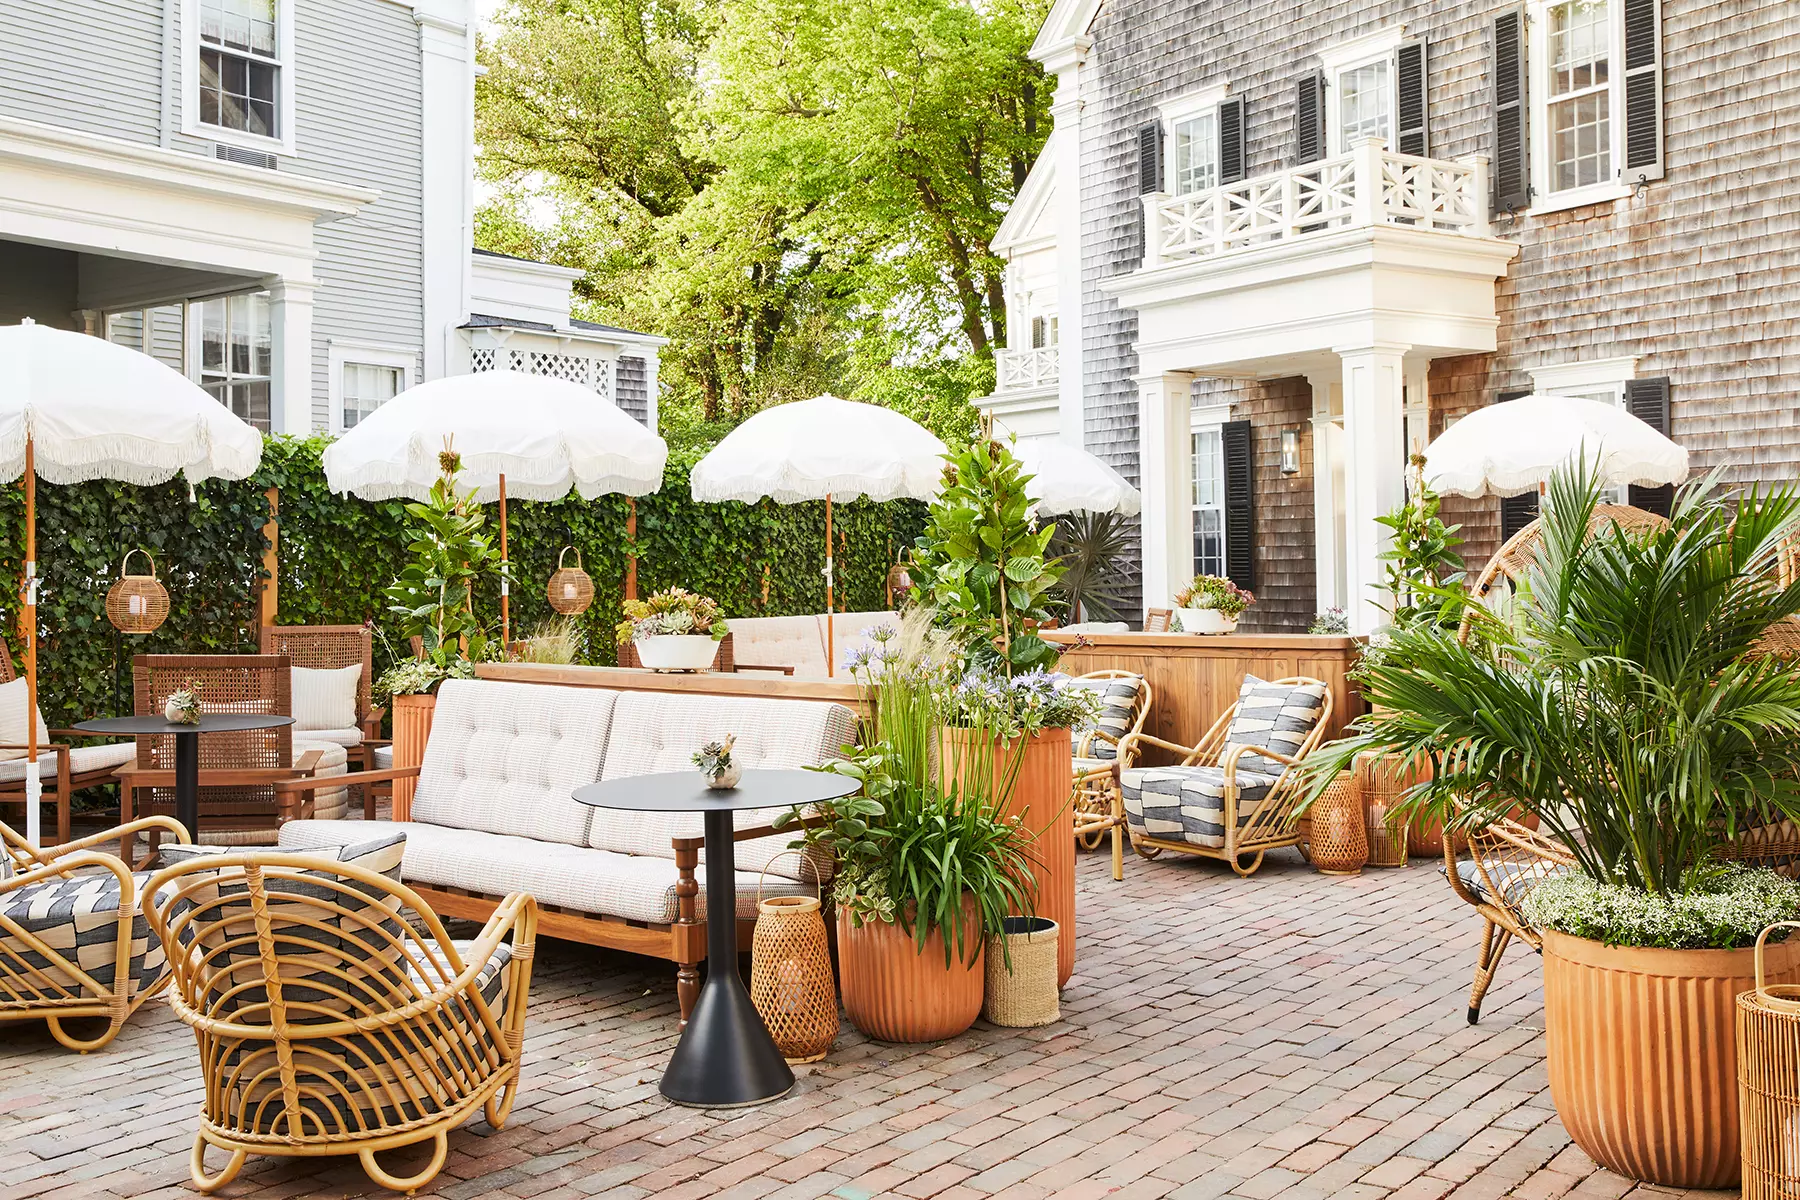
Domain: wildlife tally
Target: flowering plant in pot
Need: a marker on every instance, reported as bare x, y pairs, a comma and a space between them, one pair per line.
1211, 604
674, 630
1623, 700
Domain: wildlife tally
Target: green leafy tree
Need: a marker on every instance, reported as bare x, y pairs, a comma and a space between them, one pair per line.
434, 595
1421, 569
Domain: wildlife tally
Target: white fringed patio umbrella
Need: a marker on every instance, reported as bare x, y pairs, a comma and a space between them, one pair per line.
823, 449
74, 408
1068, 479
1505, 449
531, 436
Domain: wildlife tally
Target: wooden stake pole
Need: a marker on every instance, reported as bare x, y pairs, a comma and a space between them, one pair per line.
830, 625
505, 578
631, 539
270, 598
33, 786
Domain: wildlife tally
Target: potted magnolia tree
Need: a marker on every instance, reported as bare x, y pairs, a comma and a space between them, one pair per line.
1620, 700
674, 630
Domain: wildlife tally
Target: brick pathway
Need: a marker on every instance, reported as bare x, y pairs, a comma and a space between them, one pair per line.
1291, 1035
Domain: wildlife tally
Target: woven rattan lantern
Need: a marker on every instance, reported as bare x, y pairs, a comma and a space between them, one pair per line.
1388, 830
571, 591
790, 976
1768, 1051
137, 603
1338, 842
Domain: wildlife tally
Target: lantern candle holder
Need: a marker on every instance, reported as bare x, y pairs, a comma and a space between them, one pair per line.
1338, 839
791, 982
137, 603
570, 590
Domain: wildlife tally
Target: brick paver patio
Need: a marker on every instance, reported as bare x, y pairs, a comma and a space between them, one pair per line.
1291, 1035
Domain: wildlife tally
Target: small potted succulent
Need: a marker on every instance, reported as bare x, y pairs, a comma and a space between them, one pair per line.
674, 630
183, 705
717, 767
1211, 604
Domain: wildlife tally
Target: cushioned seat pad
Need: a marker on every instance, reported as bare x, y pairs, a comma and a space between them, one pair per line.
1513, 879
82, 759
636, 887
1187, 804
79, 919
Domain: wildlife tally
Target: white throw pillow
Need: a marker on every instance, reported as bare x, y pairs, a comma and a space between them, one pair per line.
12, 722
326, 699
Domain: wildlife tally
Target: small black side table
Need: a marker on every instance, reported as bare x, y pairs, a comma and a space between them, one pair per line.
725, 1058
187, 749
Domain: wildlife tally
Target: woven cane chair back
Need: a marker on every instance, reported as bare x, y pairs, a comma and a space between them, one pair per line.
327, 648
257, 684
1514, 559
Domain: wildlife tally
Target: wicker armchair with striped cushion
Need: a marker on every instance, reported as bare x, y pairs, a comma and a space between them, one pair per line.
334, 1013
1125, 698
1232, 795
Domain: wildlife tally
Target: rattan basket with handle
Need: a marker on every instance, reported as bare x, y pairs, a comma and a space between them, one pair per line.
1768, 1053
791, 982
137, 603
570, 589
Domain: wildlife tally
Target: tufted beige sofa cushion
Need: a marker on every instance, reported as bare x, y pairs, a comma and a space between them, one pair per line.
780, 642
504, 758
654, 731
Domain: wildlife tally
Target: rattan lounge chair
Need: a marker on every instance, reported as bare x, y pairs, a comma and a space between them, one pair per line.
69, 916
1125, 699
64, 768
334, 1014
1229, 798
1505, 860
333, 647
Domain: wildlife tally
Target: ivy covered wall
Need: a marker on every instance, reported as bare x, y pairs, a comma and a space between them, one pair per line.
337, 554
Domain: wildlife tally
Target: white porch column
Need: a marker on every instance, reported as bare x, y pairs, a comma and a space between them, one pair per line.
1328, 489
291, 389
447, 86
1065, 62
1374, 471
1165, 447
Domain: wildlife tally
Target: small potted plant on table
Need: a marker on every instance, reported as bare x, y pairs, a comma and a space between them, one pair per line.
1211, 604
674, 630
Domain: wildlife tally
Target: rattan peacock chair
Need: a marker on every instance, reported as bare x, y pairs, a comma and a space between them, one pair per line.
1125, 699
333, 1013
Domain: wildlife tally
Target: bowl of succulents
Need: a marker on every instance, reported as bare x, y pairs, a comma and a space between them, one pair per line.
674, 630
720, 771
1211, 604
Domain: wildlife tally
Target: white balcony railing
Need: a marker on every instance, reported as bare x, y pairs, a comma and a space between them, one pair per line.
1023, 370
1369, 185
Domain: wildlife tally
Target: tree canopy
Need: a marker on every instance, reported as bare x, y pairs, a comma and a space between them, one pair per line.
802, 194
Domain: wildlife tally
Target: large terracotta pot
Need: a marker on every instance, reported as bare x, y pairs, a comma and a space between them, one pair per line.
895, 992
1041, 801
412, 729
1643, 1053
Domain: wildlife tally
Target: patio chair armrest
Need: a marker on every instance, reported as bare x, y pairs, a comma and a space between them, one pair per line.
62, 865
371, 724
313, 784
55, 749
166, 825
1237, 750
744, 666
1135, 740
308, 762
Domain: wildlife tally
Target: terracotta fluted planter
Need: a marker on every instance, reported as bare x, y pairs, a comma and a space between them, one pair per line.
412, 729
1643, 1054
895, 992
1041, 801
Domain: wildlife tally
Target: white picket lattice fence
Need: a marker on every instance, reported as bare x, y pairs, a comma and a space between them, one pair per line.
595, 373
1369, 185
1021, 370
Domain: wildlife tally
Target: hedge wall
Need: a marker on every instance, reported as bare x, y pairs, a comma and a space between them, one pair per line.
337, 554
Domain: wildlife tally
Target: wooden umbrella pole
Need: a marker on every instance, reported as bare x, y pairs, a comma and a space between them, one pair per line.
631, 539
830, 625
505, 578
33, 787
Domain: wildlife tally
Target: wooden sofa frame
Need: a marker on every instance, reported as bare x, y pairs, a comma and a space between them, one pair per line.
682, 943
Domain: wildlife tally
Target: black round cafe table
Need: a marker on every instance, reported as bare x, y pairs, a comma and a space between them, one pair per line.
187, 749
725, 1058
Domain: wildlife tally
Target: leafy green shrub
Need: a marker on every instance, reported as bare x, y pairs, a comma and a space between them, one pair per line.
1720, 909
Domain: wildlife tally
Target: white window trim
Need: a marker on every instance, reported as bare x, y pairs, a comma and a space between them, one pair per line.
193, 126
1591, 375
1378, 46
1537, 94
1206, 419
340, 354
1185, 107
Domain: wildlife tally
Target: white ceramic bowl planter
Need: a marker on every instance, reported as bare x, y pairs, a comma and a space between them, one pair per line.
1206, 620
677, 651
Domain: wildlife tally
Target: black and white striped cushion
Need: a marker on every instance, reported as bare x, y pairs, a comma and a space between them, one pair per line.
1118, 705
78, 918
1187, 804
1275, 716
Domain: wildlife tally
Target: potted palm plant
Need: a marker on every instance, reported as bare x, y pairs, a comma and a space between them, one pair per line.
1620, 699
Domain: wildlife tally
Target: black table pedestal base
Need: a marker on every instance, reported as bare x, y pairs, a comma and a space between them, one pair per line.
725, 1058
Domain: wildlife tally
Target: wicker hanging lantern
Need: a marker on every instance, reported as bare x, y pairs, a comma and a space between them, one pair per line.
1338, 841
137, 603
1381, 788
1768, 1051
571, 591
790, 976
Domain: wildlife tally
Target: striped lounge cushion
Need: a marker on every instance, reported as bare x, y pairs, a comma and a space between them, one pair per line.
78, 918
1118, 703
1187, 804
1275, 716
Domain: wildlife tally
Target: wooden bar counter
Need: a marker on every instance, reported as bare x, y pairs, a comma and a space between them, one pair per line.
764, 684
1197, 677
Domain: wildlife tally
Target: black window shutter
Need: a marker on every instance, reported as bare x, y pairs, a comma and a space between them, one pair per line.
1150, 158
1512, 177
1231, 141
1643, 90
1240, 504
1414, 133
1516, 512
1309, 117
1648, 401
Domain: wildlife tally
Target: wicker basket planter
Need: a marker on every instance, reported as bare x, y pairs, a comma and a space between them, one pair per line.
1023, 995
896, 992
412, 729
1337, 840
1643, 1055
1768, 1047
